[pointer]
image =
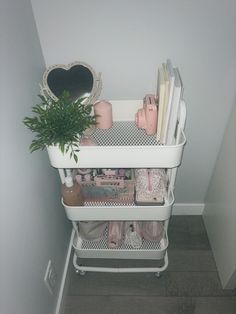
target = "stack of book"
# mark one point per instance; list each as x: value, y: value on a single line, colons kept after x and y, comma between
x: 169, y: 94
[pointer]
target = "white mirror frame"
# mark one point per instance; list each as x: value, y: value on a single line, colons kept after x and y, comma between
x: 97, y: 82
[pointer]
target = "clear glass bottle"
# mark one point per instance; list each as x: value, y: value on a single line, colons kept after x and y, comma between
x: 72, y: 193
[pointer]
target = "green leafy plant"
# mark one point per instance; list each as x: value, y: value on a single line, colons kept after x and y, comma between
x: 60, y: 122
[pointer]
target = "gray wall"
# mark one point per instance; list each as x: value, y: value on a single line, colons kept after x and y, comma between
x: 127, y: 39
x: 220, y: 210
x: 33, y: 224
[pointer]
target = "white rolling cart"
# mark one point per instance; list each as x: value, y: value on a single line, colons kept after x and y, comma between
x: 123, y: 146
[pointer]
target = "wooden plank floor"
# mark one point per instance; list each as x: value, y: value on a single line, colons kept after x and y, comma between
x: 189, y: 285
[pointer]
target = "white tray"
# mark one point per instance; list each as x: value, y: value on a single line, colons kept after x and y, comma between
x: 110, y: 211
x: 123, y: 145
x: 99, y: 249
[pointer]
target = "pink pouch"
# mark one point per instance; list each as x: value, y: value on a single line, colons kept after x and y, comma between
x: 150, y: 186
x: 115, y: 234
x: 152, y: 230
x: 92, y: 230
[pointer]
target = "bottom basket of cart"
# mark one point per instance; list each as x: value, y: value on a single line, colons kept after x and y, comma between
x: 84, y: 250
x: 99, y: 249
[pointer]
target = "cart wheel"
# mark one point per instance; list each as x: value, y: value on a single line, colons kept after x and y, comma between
x: 158, y: 274
x: 81, y: 272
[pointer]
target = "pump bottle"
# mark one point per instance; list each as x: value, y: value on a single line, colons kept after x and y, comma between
x: 72, y: 193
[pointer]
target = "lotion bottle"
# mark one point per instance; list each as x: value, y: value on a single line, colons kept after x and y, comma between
x: 72, y: 193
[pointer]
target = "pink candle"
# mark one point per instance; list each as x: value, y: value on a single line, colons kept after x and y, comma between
x: 103, y: 110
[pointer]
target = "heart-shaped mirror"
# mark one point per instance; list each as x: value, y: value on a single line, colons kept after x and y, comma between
x: 78, y: 78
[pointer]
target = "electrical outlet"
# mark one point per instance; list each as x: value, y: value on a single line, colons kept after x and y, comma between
x: 50, y: 277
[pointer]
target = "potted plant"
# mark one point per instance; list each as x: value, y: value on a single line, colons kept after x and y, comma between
x: 59, y: 123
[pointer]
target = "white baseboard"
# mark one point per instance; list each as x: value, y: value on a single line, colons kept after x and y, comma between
x: 62, y: 288
x: 188, y: 209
